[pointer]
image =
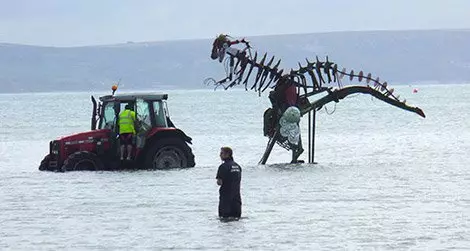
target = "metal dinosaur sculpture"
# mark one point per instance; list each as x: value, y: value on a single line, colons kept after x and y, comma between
x: 310, y: 78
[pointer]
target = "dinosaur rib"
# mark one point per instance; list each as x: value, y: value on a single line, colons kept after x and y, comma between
x: 315, y: 70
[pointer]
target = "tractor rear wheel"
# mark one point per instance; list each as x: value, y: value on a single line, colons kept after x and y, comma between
x: 167, y: 153
x: 82, y: 161
x: 45, y: 163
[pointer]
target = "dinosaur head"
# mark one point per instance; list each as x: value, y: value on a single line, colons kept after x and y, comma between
x: 218, y: 47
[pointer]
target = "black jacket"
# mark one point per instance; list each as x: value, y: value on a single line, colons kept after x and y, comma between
x: 230, y: 173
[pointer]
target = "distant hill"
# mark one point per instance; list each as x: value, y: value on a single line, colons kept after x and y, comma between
x: 400, y: 57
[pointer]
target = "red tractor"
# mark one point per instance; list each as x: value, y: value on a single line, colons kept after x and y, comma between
x: 158, y: 144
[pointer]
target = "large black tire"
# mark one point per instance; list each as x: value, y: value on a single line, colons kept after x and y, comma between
x: 82, y: 161
x: 45, y: 163
x: 168, y: 153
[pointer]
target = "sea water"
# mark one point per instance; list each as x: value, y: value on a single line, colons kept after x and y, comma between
x: 385, y: 179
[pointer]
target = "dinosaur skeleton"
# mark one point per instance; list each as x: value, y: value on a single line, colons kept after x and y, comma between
x: 311, y: 78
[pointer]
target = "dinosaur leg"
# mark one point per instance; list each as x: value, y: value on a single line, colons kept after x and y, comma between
x: 296, y: 152
x: 269, y: 147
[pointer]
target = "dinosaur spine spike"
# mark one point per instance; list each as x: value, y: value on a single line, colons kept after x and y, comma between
x: 384, y: 86
x: 351, y: 75
x: 369, y: 78
x: 361, y: 75
x: 309, y: 64
x: 318, y: 66
x: 327, y: 69
x: 270, y: 61
x: 335, y: 72
x: 263, y: 59
x: 277, y: 64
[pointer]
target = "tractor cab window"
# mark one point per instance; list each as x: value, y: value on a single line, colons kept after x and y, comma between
x: 143, y: 115
x: 109, y: 117
x: 160, y: 114
x: 123, y: 104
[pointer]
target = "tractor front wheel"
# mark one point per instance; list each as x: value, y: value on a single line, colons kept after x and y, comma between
x: 167, y: 153
x: 45, y: 163
x: 82, y: 161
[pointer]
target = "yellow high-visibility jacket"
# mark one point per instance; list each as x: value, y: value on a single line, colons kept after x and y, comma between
x: 126, y: 122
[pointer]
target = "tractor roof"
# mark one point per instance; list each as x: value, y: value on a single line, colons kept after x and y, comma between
x: 133, y: 96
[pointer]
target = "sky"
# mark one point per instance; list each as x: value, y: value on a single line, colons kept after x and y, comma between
x: 68, y: 23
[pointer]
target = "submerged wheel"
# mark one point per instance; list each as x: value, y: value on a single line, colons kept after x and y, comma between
x: 45, y: 163
x: 167, y: 153
x: 82, y: 161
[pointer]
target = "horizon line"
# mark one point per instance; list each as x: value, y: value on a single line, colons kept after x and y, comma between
x: 95, y: 91
x: 130, y: 42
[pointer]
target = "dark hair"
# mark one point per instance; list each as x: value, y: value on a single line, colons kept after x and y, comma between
x: 227, y: 150
x: 128, y: 106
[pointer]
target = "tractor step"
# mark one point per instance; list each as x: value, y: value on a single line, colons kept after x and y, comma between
x: 53, y: 163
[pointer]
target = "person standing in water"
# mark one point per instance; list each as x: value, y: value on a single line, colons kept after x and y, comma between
x: 228, y: 178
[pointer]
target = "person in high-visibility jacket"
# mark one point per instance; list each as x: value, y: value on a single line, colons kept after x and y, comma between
x: 126, y: 130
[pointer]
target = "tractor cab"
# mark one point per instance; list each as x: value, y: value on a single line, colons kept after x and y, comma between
x: 151, y: 112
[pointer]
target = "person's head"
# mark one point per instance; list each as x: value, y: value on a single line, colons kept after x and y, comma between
x: 226, y: 153
x: 129, y: 107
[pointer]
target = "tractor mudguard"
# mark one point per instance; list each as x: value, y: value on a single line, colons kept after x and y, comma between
x: 170, y: 133
x: 184, y: 136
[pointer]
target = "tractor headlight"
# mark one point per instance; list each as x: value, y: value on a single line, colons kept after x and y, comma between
x: 55, y: 147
